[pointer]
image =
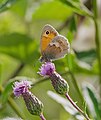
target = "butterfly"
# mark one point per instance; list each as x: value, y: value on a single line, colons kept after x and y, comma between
x: 53, y: 45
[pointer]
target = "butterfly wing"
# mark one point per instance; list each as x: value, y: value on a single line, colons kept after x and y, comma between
x: 48, y: 33
x: 57, y: 48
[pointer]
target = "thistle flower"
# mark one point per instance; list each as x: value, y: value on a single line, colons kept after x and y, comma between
x: 59, y: 84
x: 47, y: 69
x: 21, y: 87
x: 33, y: 104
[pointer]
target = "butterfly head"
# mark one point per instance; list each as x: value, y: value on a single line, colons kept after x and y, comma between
x: 49, y: 32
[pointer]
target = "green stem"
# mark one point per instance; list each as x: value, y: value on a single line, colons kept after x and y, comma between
x: 97, y: 39
x: 14, y: 106
x: 77, y: 86
x: 0, y: 74
x: 78, y: 90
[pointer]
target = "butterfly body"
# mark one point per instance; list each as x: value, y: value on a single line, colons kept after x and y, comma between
x: 53, y: 45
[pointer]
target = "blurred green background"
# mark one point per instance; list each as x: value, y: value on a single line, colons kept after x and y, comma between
x: 21, y: 23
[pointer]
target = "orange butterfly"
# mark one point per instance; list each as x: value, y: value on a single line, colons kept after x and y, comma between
x: 53, y: 46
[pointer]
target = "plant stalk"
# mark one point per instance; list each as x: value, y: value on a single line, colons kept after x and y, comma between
x: 42, y: 117
x: 16, y: 108
x: 97, y: 39
x: 14, y: 105
x: 76, y: 107
x: 77, y: 86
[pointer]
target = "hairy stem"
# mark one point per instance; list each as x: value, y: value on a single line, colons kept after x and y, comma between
x: 42, y: 117
x: 77, y: 108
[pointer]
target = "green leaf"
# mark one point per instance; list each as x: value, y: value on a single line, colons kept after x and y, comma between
x: 20, y: 7
x: 7, y: 91
x: 6, y: 5
x: 86, y: 56
x: 77, y: 7
x: 71, y: 60
x: 95, y: 67
x: 72, y: 25
x: 19, y: 46
x: 93, y: 102
x: 72, y: 29
x: 54, y: 10
x: 78, y: 66
x: 1, y: 1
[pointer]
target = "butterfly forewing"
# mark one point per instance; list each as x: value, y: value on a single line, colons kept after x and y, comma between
x: 53, y: 46
x: 57, y: 48
x: 48, y: 33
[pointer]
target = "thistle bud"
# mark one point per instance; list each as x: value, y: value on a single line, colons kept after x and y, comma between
x: 33, y: 104
x: 59, y: 84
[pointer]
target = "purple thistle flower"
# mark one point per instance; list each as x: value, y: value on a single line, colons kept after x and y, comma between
x: 33, y: 104
x: 47, y: 68
x: 21, y: 87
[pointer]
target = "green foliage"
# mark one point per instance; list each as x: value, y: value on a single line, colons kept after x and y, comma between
x: 72, y: 28
x: 7, y: 92
x: 20, y: 46
x: 86, y: 56
x: 77, y: 7
x: 21, y: 23
x: 94, y: 105
x: 46, y: 10
x: 4, y: 5
x: 20, y: 7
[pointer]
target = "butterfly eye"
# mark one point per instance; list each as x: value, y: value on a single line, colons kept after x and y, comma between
x: 47, y: 32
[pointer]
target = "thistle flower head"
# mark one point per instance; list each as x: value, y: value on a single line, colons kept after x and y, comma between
x: 33, y: 104
x: 59, y: 84
x: 47, y: 68
x: 21, y: 87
